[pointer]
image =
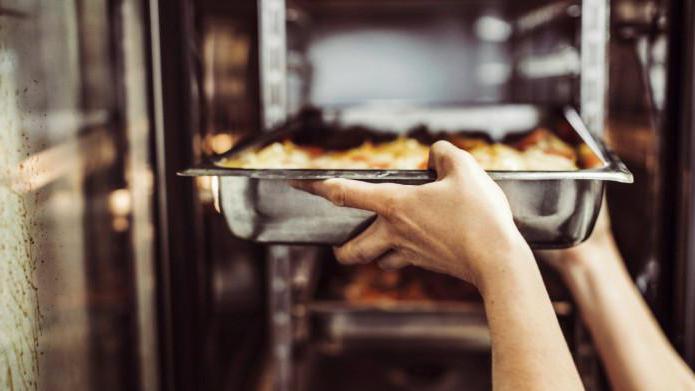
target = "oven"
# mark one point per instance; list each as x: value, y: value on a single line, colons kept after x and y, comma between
x: 249, y: 67
x: 123, y: 274
x: 234, y: 70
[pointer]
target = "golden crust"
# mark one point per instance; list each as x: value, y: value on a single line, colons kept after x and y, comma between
x: 539, y: 151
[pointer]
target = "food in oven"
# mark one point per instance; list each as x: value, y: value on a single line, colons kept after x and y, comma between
x: 368, y: 284
x: 539, y: 150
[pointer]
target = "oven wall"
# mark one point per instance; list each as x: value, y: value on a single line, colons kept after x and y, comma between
x: 343, y: 53
x: 423, y: 53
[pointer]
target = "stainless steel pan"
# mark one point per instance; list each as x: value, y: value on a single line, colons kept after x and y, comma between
x: 552, y: 209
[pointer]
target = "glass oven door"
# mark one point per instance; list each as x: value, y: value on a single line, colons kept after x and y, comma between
x: 76, y: 254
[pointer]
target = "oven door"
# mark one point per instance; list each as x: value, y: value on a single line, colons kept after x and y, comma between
x: 76, y: 270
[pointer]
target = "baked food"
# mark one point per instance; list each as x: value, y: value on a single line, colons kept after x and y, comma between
x: 540, y: 150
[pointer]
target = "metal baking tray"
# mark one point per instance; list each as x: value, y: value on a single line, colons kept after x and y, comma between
x: 454, y: 324
x: 339, y: 324
x: 552, y: 209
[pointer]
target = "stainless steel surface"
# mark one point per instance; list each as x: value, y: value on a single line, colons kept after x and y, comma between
x: 452, y: 325
x: 545, y: 15
x: 408, y: 50
x: 594, y: 63
x: 552, y: 209
x: 273, y: 60
x: 549, y: 213
x: 455, y: 324
x: 279, y: 311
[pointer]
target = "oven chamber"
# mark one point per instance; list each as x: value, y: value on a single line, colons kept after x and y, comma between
x: 393, y: 54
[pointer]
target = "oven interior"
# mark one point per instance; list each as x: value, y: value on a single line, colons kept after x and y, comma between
x: 258, y: 64
x: 343, y: 52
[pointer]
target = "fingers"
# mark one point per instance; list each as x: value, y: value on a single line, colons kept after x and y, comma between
x: 393, y: 260
x: 355, y: 194
x: 444, y: 157
x: 367, y: 246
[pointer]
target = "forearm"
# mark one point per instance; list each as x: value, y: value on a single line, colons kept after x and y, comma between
x: 528, y: 348
x: 633, y: 348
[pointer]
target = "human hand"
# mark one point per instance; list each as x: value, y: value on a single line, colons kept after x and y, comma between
x: 461, y: 224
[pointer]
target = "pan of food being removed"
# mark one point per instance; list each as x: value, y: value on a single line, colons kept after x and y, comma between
x: 550, y: 167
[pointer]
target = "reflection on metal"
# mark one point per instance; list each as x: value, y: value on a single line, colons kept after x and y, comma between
x: 165, y: 332
x: 280, y: 294
x: 140, y: 190
x: 594, y: 63
x: 340, y: 325
x: 273, y: 53
x: 273, y: 73
x: 492, y: 29
x: 651, y: 52
x: 494, y: 73
x: 592, y: 100
x: 544, y: 15
x: 449, y: 325
x: 418, y: 54
x: 564, y: 62
x: 89, y: 152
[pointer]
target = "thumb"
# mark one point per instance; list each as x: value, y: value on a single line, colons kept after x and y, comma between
x: 443, y: 158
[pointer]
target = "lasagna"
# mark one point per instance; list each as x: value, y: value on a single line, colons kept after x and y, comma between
x: 540, y: 150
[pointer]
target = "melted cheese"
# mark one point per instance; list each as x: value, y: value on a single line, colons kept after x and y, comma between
x: 400, y: 154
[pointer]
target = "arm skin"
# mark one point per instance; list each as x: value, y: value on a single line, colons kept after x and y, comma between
x: 634, y: 351
x: 529, y: 351
x: 462, y: 225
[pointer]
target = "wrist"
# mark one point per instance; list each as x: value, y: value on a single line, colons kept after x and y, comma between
x: 595, y: 258
x: 507, y: 266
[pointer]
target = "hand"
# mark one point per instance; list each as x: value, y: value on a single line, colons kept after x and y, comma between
x: 461, y: 224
